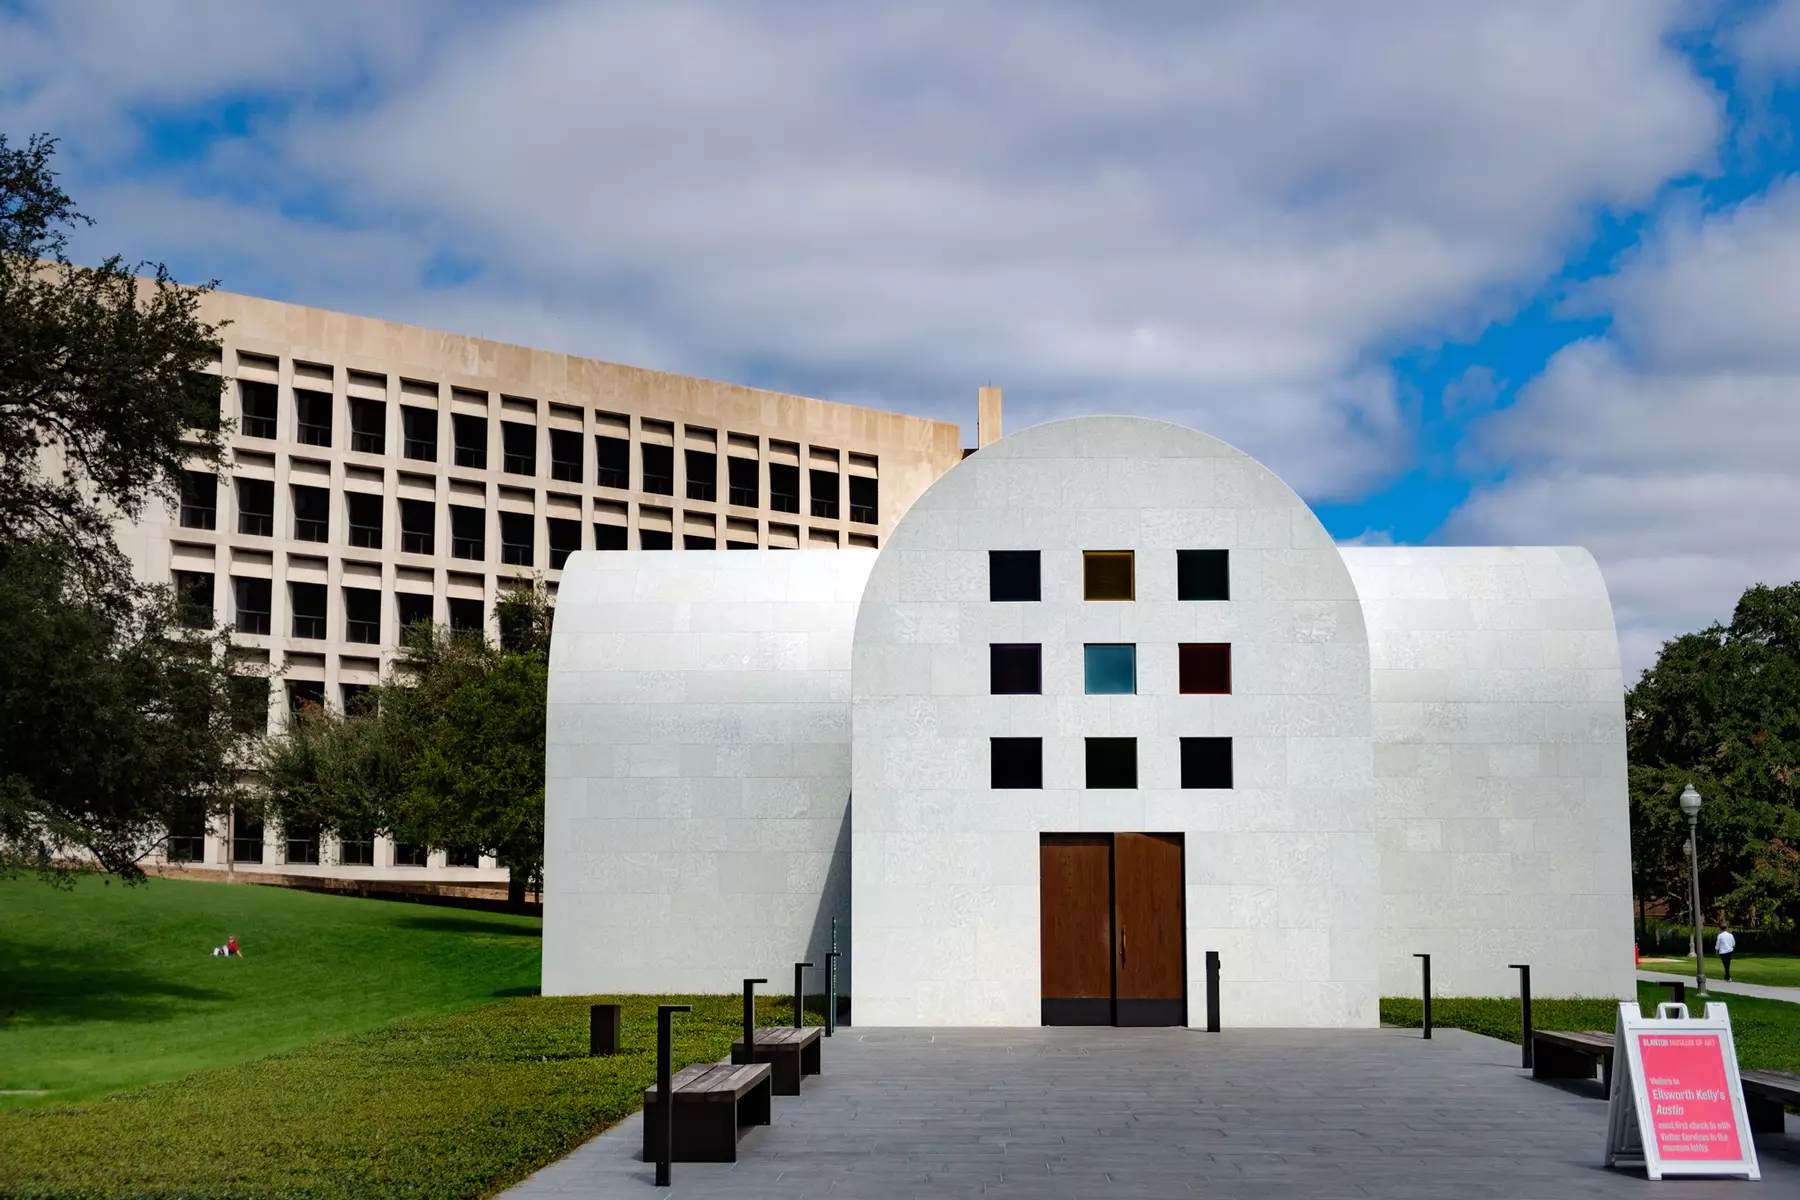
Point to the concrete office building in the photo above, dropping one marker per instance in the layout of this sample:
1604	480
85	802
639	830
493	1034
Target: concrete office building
383	473
1106	699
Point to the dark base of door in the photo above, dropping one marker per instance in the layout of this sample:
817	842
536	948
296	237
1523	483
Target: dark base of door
1137	1014
1077	1012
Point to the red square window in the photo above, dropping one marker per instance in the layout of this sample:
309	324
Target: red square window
1205	668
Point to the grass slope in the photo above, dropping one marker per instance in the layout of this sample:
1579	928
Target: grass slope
447	1107
108	987
1774	970
1767	1032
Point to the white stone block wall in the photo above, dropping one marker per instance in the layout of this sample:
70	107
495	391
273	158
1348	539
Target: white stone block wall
1500	769
1280	870
697	770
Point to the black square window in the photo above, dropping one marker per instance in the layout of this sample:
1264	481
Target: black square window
659	469
418	526
362	615
194	598
312	514
609	537
702	475
784	487
518	448
695	541
470	433
612	458
1203	574
368	426
1205	668
565	455
312	417
565	539
1015	670
307	603
655	539
1016	762
1111	762
1205	762
468	532
742	473
824	493
466	615
363	512
413	608
259	405
516	540
419	432
256	507
199	500
1014	575
252	597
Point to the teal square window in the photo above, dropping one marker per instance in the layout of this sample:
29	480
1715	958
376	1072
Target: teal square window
1109	669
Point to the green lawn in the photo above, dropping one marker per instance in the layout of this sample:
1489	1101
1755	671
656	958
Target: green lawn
447	1107
1776	970
107	987
1767	1032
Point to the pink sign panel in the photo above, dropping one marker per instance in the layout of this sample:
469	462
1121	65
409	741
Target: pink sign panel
1690	1097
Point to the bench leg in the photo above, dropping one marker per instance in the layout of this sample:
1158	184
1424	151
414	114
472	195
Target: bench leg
754	1106
706	1131
809	1060
1766	1115
1550	1061
653	1127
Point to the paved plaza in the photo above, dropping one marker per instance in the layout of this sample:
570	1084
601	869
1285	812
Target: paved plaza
1102	1112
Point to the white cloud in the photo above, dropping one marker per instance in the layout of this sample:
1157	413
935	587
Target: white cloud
1769	43
1669	447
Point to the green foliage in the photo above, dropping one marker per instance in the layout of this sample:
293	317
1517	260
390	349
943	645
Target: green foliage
456	1106
1721	709
107	988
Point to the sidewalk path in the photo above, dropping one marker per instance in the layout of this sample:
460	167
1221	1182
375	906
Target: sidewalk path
1790	994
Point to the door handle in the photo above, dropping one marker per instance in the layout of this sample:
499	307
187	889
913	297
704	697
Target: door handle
1121	943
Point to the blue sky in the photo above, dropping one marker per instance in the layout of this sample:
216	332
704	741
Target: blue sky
1521	273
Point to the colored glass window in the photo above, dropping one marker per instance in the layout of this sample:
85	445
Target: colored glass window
1111	762
1015	670
1016	762
1109	669
1107	575
1205	762
1014	575
1205	668
1203	574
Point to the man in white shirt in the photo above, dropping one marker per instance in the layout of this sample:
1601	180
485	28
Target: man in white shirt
1723	946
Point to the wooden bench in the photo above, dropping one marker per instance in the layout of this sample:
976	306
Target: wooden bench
715	1105
1572	1054
1765	1095
792	1052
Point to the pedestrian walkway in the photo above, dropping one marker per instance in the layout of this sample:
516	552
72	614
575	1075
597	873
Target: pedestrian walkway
1767	992
1125	1113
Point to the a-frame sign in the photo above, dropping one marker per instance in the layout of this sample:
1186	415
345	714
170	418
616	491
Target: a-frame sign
1677	1105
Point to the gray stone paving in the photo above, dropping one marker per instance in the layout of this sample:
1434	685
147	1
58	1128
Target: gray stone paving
1269	1115
1766	991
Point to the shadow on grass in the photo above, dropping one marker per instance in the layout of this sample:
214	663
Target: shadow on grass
43	990
454	924
509	993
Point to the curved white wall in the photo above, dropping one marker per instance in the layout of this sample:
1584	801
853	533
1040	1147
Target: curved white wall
695	782
1500	769
1280	870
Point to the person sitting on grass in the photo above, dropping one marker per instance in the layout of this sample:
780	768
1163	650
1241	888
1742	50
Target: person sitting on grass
229	949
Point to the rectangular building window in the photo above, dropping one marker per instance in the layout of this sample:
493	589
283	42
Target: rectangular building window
1013	575
702	475
824	486
695	541
742	473
612	462
303	693
784	487
516	540
259	405
1203	574
302	845
468	532
1107	575
248	698
565	455
419	430
462	856
362	615
312	417
471	437
312	514
368	426
1109	669
247	840
659	469
356	850
1015	762
518	444
865	500
565	539
609	537
355	698
1205	762
199	500
466	615
251	598
194	598
655	539
307	601
1111	762
1205	668
412	608
363	511
256	507
418	526
1015	670
410	854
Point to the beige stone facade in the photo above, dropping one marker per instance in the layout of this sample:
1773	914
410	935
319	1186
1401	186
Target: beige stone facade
382	472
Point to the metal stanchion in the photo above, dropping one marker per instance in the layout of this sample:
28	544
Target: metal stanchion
1524	970
665	1049
831	957
603	1029
1677	991
750	1018
800	994
1212	991
1426	958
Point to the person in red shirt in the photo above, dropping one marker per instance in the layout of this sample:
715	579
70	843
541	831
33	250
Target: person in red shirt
231	946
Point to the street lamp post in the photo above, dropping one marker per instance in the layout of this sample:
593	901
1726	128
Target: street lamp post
1690	804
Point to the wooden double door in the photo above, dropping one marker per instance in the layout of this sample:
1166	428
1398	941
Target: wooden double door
1114	950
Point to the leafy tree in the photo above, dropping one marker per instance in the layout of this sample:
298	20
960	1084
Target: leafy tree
1721	709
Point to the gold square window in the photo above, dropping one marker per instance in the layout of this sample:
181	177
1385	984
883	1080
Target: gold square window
1107	575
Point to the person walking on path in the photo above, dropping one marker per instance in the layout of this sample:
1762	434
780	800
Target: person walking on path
1724	946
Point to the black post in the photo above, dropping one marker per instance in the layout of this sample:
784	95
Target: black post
800	994
1212	991
831	957
1677	991
603	1029
1427	962
1524	970
665	1049
750	1018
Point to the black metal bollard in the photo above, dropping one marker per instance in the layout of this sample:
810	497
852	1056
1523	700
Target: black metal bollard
1524	970
603	1029
1677	991
665	1050
750	1018
1212	991
1427	961
831	957
800	994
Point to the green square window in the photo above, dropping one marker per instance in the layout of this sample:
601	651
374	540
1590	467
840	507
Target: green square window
1203	574
1109	669
1107	575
